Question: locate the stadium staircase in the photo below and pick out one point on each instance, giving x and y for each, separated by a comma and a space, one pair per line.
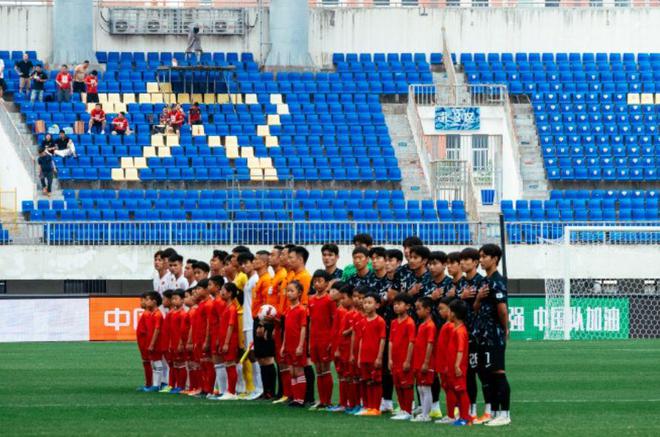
535, 184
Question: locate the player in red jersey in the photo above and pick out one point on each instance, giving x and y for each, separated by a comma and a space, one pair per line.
228, 339
192, 364
205, 310
342, 346
457, 361
165, 339
177, 327
356, 389
218, 307
154, 339
322, 313
402, 340
422, 353
198, 341
142, 342
294, 346
440, 357
370, 356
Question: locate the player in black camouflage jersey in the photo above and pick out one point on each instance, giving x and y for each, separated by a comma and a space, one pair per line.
404, 278
362, 277
441, 282
491, 331
467, 291
422, 280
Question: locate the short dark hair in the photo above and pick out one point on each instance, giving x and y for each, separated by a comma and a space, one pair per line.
278, 247
378, 251
426, 302
217, 280
412, 241
421, 251
469, 253
492, 250
394, 253
447, 300
289, 246
158, 254
363, 239
154, 295
175, 258
438, 255
244, 257
454, 257
374, 296
168, 293
202, 266
459, 308
330, 247
338, 285
320, 273
231, 288
191, 261
220, 254
301, 252
402, 297
362, 289
345, 288
179, 292
361, 250
204, 283
239, 249
298, 286
168, 252
262, 253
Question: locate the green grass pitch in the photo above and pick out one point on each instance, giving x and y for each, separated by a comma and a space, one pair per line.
558, 388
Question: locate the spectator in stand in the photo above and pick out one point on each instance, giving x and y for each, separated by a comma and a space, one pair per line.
65, 146
46, 170
177, 118
3, 85
79, 74
24, 70
194, 42
120, 125
39, 77
195, 114
63, 81
48, 144
96, 123
92, 87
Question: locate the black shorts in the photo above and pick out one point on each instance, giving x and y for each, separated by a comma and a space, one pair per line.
473, 355
3, 85
79, 87
491, 358
264, 347
92, 98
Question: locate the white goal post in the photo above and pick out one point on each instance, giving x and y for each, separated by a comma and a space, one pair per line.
607, 285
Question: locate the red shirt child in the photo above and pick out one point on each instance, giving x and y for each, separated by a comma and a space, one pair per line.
402, 333
228, 319
142, 334
337, 324
440, 358
458, 343
155, 322
295, 319
425, 337
322, 311
217, 310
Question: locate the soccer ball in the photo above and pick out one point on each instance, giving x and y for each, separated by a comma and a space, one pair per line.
267, 310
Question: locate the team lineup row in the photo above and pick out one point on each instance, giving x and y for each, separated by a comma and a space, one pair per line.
258, 326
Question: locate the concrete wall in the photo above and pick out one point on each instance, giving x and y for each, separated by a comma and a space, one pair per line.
13, 174
390, 30
135, 262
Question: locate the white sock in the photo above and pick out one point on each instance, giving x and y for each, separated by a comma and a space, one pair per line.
426, 399
487, 409
436, 406
157, 372
166, 372
221, 377
505, 414
473, 410
256, 378
240, 382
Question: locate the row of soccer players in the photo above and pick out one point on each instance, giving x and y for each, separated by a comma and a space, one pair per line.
422, 279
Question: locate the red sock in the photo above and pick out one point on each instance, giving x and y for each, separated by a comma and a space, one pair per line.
325, 380
405, 396
320, 386
342, 393
196, 379
182, 375
209, 376
451, 402
286, 383
363, 394
232, 377
148, 375
376, 395
464, 404
171, 377
355, 394
301, 389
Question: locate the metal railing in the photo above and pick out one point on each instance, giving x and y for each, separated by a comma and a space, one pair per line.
433, 232
433, 4
19, 142
457, 95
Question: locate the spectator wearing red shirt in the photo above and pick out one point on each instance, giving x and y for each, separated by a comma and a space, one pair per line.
195, 114
120, 125
64, 81
177, 118
92, 87
97, 121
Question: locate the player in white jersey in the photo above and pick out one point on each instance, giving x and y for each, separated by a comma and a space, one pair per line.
162, 275
178, 280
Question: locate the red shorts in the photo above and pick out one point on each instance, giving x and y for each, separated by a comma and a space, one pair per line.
155, 355
294, 360
319, 351
197, 352
402, 378
231, 355
168, 356
424, 378
444, 379
214, 343
369, 373
144, 353
456, 384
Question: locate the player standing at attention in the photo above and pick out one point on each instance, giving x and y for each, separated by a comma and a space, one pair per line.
329, 257
218, 307
361, 267
259, 296
142, 335
442, 283
193, 364
457, 361
322, 311
176, 347
241, 278
337, 298
404, 278
189, 273
161, 278
359, 240
200, 271
165, 332
491, 331
402, 341
154, 342
217, 263
294, 347
251, 371
455, 272
228, 339
370, 356
467, 292
284, 377
440, 358
176, 269
422, 354
279, 271
200, 344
